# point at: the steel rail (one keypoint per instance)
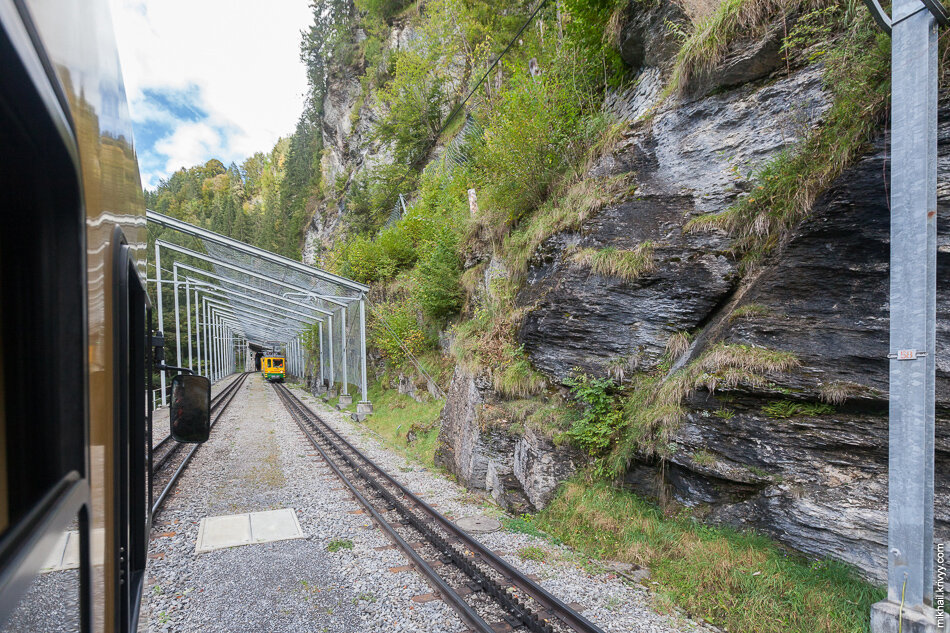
(464, 610)
(229, 394)
(549, 602)
(218, 399)
(521, 612)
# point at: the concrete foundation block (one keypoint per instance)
(346, 400)
(331, 393)
(886, 617)
(365, 408)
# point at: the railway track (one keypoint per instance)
(166, 465)
(487, 592)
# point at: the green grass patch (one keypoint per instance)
(782, 409)
(741, 582)
(396, 415)
(533, 553)
(749, 311)
(335, 545)
(522, 524)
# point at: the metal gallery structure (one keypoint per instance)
(231, 300)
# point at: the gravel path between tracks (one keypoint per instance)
(257, 459)
(607, 600)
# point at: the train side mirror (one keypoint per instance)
(190, 411)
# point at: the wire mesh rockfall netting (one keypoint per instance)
(270, 301)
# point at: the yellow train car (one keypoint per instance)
(274, 368)
(75, 437)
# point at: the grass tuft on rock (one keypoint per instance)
(654, 407)
(613, 262)
(739, 581)
(705, 47)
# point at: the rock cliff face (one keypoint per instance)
(777, 458)
(819, 482)
(816, 478)
(349, 118)
(689, 159)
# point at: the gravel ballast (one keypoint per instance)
(607, 599)
(257, 459)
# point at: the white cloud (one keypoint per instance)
(237, 59)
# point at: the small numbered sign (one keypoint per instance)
(906, 354)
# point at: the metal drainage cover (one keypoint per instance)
(479, 525)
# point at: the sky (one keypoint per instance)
(209, 78)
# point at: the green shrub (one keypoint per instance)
(602, 416)
(536, 132)
(363, 260)
(394, 330)
(414, 98)
(382, 9)
(397, 245)
(437, 290)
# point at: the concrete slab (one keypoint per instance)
(275, 525)
(244, 529)
(65, 554)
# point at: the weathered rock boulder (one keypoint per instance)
(816, 479)
(519, 467)
(690, 158)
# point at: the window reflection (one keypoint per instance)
(51, 604)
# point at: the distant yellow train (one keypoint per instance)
(273, 368)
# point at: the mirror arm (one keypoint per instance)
(183, 370)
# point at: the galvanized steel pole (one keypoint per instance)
(198, 334)
(320, 351)
(332, 375)
(343, 352)
(909, 604)
(363, 381)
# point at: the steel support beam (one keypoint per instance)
(363, 382)
(246, 271)
(161, 322)
(910, 545)
(215, 238)
(188, 313)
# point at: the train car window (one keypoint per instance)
(43, 439)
